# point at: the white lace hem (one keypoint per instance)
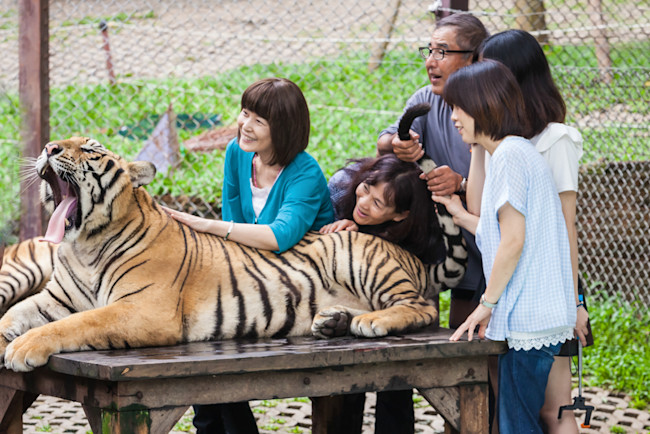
(526, 342)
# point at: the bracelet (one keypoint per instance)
(486, 303)
(232, 225)
(463, 186)
(580, 304)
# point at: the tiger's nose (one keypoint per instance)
(52, 149)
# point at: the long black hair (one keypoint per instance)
(522, 54)
(419, 232)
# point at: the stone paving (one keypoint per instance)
(611, 415)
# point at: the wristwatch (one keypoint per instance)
(463, 186)
(486, 303)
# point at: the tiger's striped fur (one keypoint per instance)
(25, 268)
(127, 275)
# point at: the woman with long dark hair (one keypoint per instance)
(561, 147)
(385, 196)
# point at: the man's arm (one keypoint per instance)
(385, 144)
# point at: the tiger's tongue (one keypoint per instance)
(56, 226)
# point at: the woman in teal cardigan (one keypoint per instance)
(273, 193)
(298, 201)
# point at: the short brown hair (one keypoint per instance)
(282, 104)
(470, 32)
(488, 92)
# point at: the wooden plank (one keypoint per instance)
(178, 391)
(239, 356)
(289, 383)
(46, 382)
(446, 401)
(33, 88)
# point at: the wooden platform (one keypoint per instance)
(147, 390)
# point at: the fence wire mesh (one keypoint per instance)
(119, 68)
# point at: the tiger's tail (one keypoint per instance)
(448, 273)
(426, 163)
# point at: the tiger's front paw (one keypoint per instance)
(369, 325)
(331, 323)
(27, 352)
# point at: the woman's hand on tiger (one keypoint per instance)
(199, 224)
(339, 225)
(408, 150)
(460, 215)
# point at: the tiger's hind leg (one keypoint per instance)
(334, 321)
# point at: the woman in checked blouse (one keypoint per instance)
(522, 236)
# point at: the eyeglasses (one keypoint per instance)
(438, 53)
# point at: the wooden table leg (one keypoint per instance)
(133, 421)
(13, 403)
(464, 408)
(474, 409)
(339, 414)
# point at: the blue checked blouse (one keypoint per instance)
(538, 306)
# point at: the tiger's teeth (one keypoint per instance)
(67, 222)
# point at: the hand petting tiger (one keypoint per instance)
(127, 275)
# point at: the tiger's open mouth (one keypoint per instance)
(66, 213)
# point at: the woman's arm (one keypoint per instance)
(304, 204)
(512, 225)
(257, 236)
(475, 180)
(568, 200)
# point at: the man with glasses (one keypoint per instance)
(454, 43)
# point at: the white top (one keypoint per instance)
(261, 195)
(537, 307)
(561, 147)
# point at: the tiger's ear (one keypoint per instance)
(141, 173)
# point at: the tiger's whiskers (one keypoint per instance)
(27, 175)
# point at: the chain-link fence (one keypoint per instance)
(116, 67)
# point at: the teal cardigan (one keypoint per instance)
(298, 202)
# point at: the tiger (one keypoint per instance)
(127, 275)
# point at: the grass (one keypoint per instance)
(620, 357)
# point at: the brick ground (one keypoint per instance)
(294, 416)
